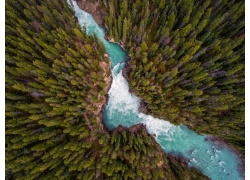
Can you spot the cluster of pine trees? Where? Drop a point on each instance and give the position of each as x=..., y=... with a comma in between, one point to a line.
x=55, y=86
x=186, y=61
x=134, y=154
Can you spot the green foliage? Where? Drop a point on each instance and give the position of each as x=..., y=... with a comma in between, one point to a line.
x=187, y=65
x=134, y=153
x=187, y=62
x=48, y=104
x=54, y=87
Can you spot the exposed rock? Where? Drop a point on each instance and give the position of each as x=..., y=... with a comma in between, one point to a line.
x=107, y=75
x=143, y=108
x=93, y=7
x=160, y=164
x=183, y=161
x=126, y=70
x=110, y=39
x=108, y=80
x=120, y=42
x=132, y=129
x=137, y=127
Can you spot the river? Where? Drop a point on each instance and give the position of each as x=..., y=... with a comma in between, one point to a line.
x=214, y=160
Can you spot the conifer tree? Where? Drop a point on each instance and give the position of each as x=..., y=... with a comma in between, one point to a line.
x=199, y=77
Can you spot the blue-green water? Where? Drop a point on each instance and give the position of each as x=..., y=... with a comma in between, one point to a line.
x=214, y=160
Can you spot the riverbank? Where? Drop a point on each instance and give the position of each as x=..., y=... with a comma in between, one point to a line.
x=99, y=13
x=94, y=8
x=111, y=39
x=220, y=142
x=107, y=76
x=108, y=81
x=151, y=122
x=143, y=108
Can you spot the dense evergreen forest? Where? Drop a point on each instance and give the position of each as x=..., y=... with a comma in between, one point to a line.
x=186, y=61
x=56, y=81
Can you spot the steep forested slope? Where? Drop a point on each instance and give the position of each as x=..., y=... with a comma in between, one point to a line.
x=56, y=82
x=186, y=61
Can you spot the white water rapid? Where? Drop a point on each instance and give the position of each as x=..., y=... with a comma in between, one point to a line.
x=214, y=160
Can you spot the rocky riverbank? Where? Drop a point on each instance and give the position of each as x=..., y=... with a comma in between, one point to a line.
x=120, y=42
x=220, y=142
x=93, y=7
x=126, y=72
x=108, y=80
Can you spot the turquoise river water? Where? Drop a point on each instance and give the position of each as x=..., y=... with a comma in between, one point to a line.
x=214, y=160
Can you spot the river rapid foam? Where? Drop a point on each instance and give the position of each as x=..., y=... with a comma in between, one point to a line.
x=214, y=160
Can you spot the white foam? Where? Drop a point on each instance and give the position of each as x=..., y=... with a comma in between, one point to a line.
x=221, y=163
x=121, y=100
x=194, y=152
x=195, y=161
x=158, y=126
x=86, y=20
x=119, y=97
x=217, y=151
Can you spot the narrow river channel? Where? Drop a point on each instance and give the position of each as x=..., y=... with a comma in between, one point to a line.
x=214, y=160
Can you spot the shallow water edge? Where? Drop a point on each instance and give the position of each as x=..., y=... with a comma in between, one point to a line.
x=122, y=109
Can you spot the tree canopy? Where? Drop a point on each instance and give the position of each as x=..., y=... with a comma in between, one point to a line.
x=55, y=89
x=186, y=61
